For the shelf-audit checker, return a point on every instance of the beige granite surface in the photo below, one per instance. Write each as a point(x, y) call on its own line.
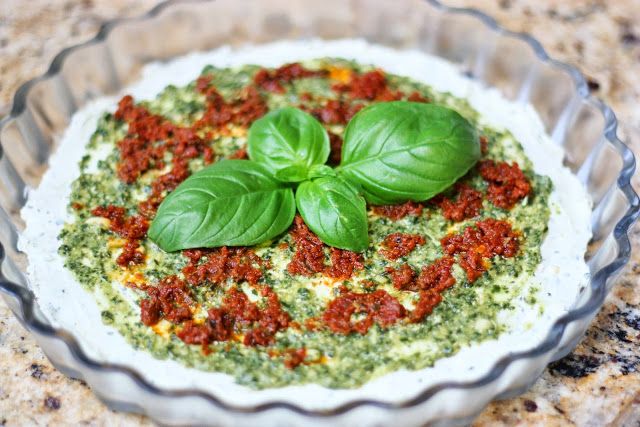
point(598, 384)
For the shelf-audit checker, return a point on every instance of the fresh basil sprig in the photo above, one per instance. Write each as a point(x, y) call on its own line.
point(399, 151)
point(392, 152)
point(288, 141)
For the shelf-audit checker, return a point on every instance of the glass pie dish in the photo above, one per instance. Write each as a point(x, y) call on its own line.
point(515, 64)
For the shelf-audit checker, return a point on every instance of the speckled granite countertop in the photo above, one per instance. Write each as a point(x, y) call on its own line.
point(598, 384)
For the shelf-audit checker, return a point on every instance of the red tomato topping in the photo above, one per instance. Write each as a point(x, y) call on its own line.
point(272, 81)
point(336, 112)
point(309, 257)
point(220, 264)
point(271, 320)
point(371, 86)
point(240, 153)
point(150, 311)
point(132, 227)
point(427, 301)
point(195, 333)
point(402, 277)
point(169, 299)
point(238, 314)
point(484, 144)
point(417, 97)
point(294, 357)
point(376, 307)
point(164, 184)
point(436, 276)
point(488, 238)
point(397, 245)
point(396, 212)
point(343, 264)
point(243, 111)
point(431, 282)
point(130, 254)
point(467, 203)
point(507, 183)
point(148, 137)
point(306, 97)
point(474, 264)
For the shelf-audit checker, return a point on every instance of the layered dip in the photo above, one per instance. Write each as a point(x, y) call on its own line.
point(310, 214)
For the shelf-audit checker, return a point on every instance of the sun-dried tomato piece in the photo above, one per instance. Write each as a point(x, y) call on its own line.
point(336, 112)
point(376, 307)
point(402, 277)
point(467, 203)
point(507, 183)
point(427, 301)
point(397, 245)
point(371, 86)
point(221, 264)
point(294, 357)
point(486, 239)
point(273, 80)
point(309, 256)
point(397, 212)
point(344, 263)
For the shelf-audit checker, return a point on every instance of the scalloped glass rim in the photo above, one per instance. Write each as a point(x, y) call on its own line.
point(22, 303)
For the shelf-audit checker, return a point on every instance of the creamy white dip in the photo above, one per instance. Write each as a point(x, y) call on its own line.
point(559, 278)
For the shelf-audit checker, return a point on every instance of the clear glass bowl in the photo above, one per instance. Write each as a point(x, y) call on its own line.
point(514, 63)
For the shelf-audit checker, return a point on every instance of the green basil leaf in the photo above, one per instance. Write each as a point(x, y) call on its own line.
point(231, 203)
point(288, 137)
point(333, 210)
point(293, 173)
point(318, 171)
point(398, 151)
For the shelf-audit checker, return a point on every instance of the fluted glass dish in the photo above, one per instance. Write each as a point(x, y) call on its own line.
point(514, 63)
